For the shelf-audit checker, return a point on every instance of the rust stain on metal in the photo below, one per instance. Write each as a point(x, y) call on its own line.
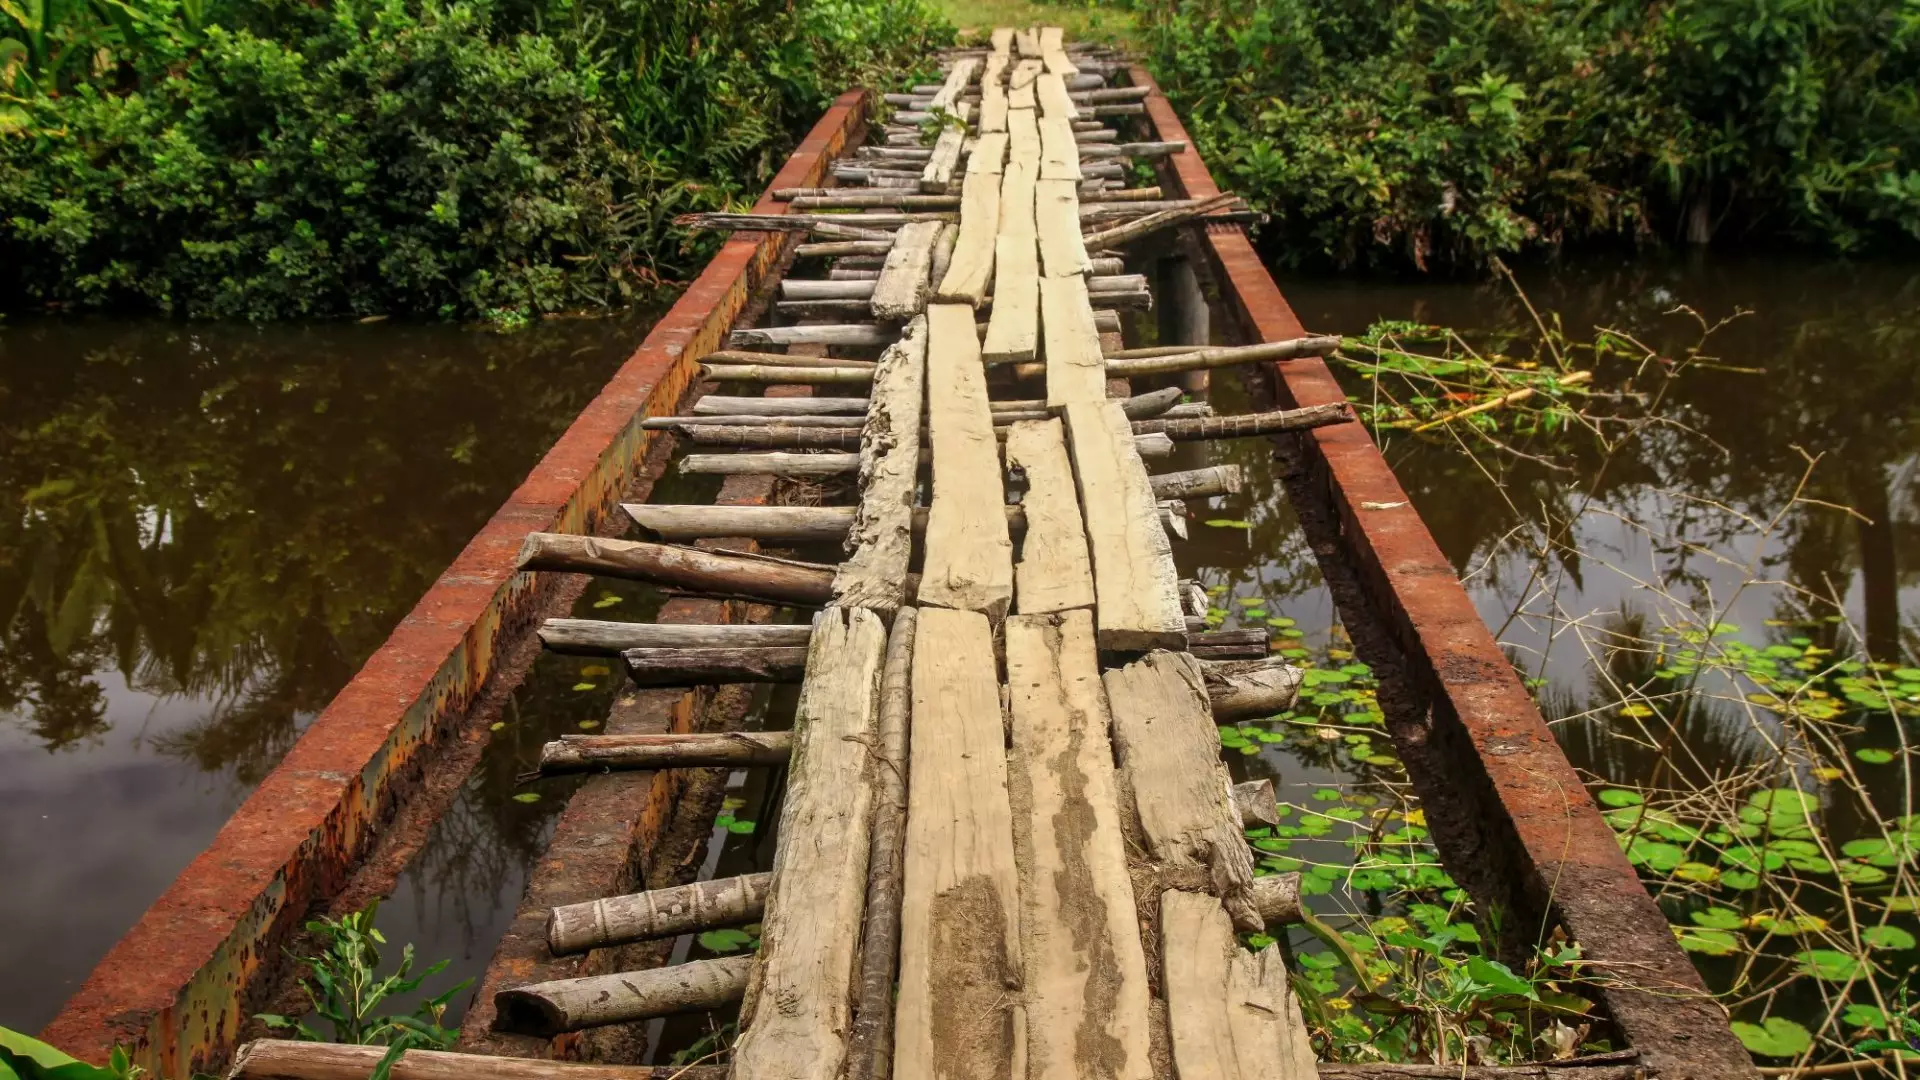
point(176, 988)
point(1485, 728)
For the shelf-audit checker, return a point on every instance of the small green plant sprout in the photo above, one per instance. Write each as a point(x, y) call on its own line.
point(939, 119)
point(346, 990)
point(23, 1057)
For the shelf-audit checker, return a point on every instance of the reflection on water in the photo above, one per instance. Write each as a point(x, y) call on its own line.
point(204, 531)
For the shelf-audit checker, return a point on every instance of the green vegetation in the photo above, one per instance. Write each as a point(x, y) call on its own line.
point(347, 990)
point(455, 157)
point(23, 1057)
point(1424, 132)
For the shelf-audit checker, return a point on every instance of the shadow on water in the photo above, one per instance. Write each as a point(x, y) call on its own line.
point(207, 529)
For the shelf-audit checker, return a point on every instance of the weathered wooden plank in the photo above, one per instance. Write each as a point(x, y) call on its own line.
point(1137, 601)
point(1059, 150)
point(1232, 1014)
point(958, 1014)
point(1050, 94)
point(1086, 978)
point(824, 334)
point(957, 79)
point(971, 270)
point(993, 95)
point(880, 541)
point(1163, 726)
point(774, 464)
point(802, 978)
point(1028, 42)
point(901, 292)
point(969, 557)
point(989, 155)
point(946, 152)
point(599, 637)
point(1057, 222)
point(1001, 40)
point(1013, 330)
point(1053, 573)
point(1075, 369)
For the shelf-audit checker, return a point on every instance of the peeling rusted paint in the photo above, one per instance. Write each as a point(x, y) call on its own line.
point(1551, 850)
point(175, 988)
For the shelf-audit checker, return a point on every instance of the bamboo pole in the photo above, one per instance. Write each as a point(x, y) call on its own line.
point(555, 1008)
point(1134, 230)
point(280, 1059)
point(593, 637)
point(1248, 425)
point(696, 750)
point(649, 668)
point(683, 909)
point(784, 375)
point(1200, 359)
point(712, 573)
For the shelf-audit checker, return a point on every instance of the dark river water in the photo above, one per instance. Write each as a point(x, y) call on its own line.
point(208, 529)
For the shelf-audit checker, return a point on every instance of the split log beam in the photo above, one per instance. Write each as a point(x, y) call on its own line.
point(1231, 1012)
point(1057, 218)
point(1197, 483)
point(968, 562)
point(1247, 425)
point(1152, 223)
point(776, 464)
point(278, 1059)
point(1075, 370)
point(1053, 573)
point(698, 750)
point(595, 637)
point(1135, 584)
point(1169, 746)
point(650, 668)
point(784, 375)
point(1244, 689)
point(901, 291)
point(971, 270)
point(1013, 331)
point(555, 1008)
point(1202, 359)
point(710, 573)
point(880, 538)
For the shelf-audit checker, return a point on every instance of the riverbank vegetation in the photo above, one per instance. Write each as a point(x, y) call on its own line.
point(277, 159)
point(1432, 133)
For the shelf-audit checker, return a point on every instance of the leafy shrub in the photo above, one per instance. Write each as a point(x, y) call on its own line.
point(1419, 130)
point(411, 156)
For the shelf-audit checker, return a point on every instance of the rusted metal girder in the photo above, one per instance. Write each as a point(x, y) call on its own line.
point(177, 987)
point(1513, 821)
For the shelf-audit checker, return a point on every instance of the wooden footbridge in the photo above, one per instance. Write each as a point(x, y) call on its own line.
point(1008, 845)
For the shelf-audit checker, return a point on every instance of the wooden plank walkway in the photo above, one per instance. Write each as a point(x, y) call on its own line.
point(1050, 883)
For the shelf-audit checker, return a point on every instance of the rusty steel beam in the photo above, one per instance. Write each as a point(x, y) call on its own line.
point(1499, 784)
point(176, 989)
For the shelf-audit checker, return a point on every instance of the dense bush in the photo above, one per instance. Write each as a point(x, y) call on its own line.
point(401, 156)
point(1420, 131)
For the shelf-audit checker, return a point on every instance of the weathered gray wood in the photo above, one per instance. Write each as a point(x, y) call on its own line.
point(1050, 94)
point(1105, 95)
point(276, 1059)
point(880, 539)
point(1135, 585)
point(1231, 1012)
point(1255, 803)
point(832, 226)
point(825, 334)
point(993, 96)
point(901, 292)
point(956, 81)
point(842, 199)
point(682, 909)
point(1204, 358)
point(718, 405)
point(1242, 690)
point(946, 153)
point(1085, 981)
point(970, 272)
point(943, 251)
point(1075, 370)
point(959, 942)
point(713, 573)
point(1136, 149)
point(844, 247)
point(595, 637)
point(1278, 898)
point(1170, 749)
point(774, 464)
point(751, 356)
point(1247, 425)
point(555, 1008)
point(870, 1042)
point(1154, 222)
point(781, 374)
point(1014, 329)
point(1053, 573)
point(1057, 217)
point(785, 524)
point(1152, 403)
point(649, 668)
point(800, 992)
point(969, 556)
point(697, 750)
point(796, 289)
point(1059, 150)
point(1197, 483)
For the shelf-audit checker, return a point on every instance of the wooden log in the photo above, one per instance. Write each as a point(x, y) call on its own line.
point(595, 637)
point(1075, 370)
point(555, 1008)
point(1056, 216)
point(809, 939)
point(842, 199)
point(824, 309)
point(844, 247)
point(682, 909)
point(840, 228)
point(1105, 95)
point(870, 1041)
point(1255, 803)
point(880, 537)
point(1086, 999)
point(1231, 1012)
point(1248, 425)
point(1053, 573)
point(1197, 483)
point(1230, 644)
point(1242, 690)
point(775, 464)
point(1278, 898)
point(848, 334)
point(894, 154)
point(1135, 585)
point(782, 375)
point(901, 292)
point(948, 96)
point(1170, 748)
point(1108, 266)
point(1105, 134)
point(943, 251)
point(1164, 219)
point(969, 557)
point(749, 356)
point(276, 1059)
point(699, 750)
point(959, 940)
point(1202, 359)
point(792, 289)
point(711, 573)
point(970, 272)
point(717, 405)
point(946, 153)
point(1014, 329)
point(1123, 109)
point(1135, 149)
point(649, 668)
point(842, 272)
point(686, 423)
point(1152, 403)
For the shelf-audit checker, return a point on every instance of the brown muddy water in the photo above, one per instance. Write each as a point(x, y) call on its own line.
point(210, 528)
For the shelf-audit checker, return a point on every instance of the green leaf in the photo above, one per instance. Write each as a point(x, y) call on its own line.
point(1777, 1037)
point(1719, 918)
point(1887, 937)
point(1227, 523)
point(1709, 942)
point(1873, 755)
point(740, 828)
point(1830, 965)
point(1863, 1016)
point(527, 797)
point(1620, 797)
point(725, 941)
point(1499, 976)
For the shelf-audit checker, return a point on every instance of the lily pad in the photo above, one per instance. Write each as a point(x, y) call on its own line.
point(1708, 942)
point(1778, 1037)
point(1873, 755)
point(1718, 918)
point(1830, 964)
point(1887, 937)
point(1620, 797)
